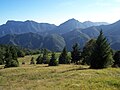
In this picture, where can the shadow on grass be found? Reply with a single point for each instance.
(80, 68)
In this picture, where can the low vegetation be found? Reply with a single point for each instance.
(79, 69)
(42, 77)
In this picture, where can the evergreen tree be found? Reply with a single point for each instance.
(87, 51)
(53, 61)
(101, 56)
(1, 57)
(39, 60)
(116, 57)
(64, 58)
(13, 52)
(45, 57)
(11, 57)
(32, 61)
(20, 53)
(76, 54)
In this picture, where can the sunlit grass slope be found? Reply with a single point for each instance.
(62, 77)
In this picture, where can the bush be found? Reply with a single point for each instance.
(12, 63)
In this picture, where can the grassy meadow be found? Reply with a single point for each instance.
(62, 77)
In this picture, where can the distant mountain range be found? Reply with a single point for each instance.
(19, 27)
(30, 34)
(72, 24)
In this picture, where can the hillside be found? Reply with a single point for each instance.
(73, 77)
(30, 34)
(35, 41)
(19, 27)
(72, 24)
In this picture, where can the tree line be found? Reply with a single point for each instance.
(96, 53)
(10, 53)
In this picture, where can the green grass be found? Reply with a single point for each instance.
(62, 77)
(28, 58)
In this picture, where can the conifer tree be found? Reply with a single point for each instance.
(11, 57)
(64, 58)
(13, 52)
(39, 60)
(53, 61)
(101, 56)
(20, 53)
(87, 51)
(76, 54)
(116, 57)
(45, 57)
(1, 57)
(32, 61)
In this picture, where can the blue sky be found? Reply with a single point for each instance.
(58, 11)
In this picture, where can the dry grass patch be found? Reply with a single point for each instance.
(62, 77)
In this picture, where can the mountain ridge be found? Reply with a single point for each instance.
(43, 35)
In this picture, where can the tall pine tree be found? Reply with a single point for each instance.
(53, 61)
(64, 58)
(101, 56)
(76, 54)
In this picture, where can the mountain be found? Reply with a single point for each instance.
(54, 42)
(72, 24)
(35, 41)
(30, 34)
(75, 36)
(111, 31)
(90, 24)
(92, 32)
(19, 27)
(68, 26)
